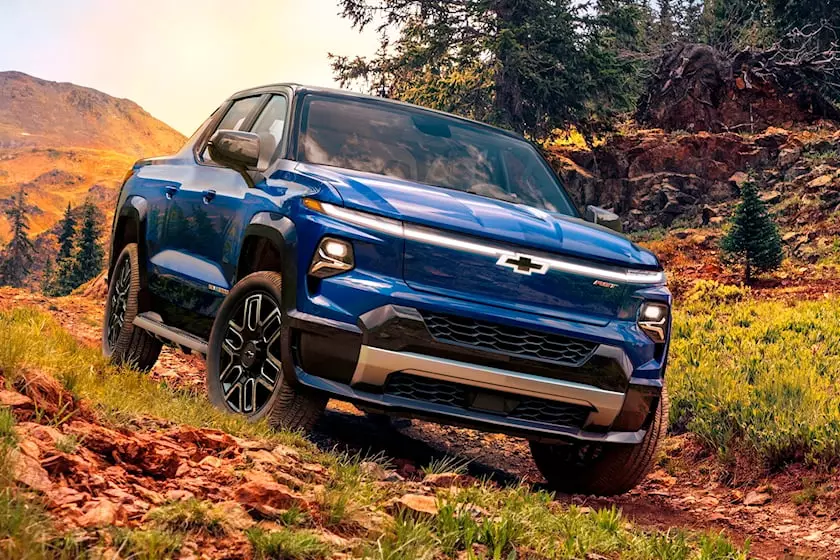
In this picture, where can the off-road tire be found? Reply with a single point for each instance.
(602, 469)
(133, 346)
(287, 407)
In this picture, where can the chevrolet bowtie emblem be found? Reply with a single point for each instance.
(523, 264)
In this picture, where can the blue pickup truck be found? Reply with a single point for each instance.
(315, 244)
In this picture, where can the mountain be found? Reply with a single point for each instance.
(66, 144)
(36, 112)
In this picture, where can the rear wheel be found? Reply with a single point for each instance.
(122, 342)
(244, 361)
(602, 469)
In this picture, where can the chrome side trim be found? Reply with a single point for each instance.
(452, 241)
(376, 364)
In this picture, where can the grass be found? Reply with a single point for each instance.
(190, 515)
(476, 522)
(146, 544)
(484, 522)
(447, 464)
(33, 339)
(287, 544)
(759, 379)
(348, 490)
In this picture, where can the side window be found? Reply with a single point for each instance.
(272, 120)
(234, 118)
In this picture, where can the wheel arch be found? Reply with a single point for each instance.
(270, 243)
(130, 227)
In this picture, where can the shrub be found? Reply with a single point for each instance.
(715, 293)
(759, 379)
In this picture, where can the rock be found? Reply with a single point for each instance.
(235, 515)
(716, 221)
(29, 471)
(178, 495)
(756, 499)
(375, 471)
(14, 399)
(211, 462)
(443, 480)
(789, 156)
(103, 513)
(739, 178)
(771, 197)
(268, 498)
(820, 182)
(416, 503)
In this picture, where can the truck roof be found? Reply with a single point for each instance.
(302, 88)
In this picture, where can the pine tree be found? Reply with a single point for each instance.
(89, 253)
(48, 278)
(68, 233)
(753, 238)
(65, 281)
(16, 260)
(528, 65)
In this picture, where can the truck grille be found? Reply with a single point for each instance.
(508, 340)
(470, 398)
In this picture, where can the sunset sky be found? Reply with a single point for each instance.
(177, 58)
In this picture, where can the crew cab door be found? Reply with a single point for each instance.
(194, 264)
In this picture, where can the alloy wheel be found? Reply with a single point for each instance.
(250, 359)
(119, 302)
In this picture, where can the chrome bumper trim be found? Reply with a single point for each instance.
(376, 364)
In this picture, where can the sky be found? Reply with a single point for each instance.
(178, 59)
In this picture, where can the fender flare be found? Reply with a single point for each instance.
(134, 209)
(280, 231)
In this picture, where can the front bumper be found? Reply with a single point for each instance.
(390, 362)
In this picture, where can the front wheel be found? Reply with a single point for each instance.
(122, 342)
(603, 469)
(245, 353)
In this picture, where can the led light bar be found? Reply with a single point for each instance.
(426, 235)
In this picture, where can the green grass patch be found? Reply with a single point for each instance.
(146, 544)
(759, 378)
(287, 544)
(190, 515)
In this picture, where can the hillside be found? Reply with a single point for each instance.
(40, 113)
(66, 143)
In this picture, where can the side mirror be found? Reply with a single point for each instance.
(604, 218)
(235, 149)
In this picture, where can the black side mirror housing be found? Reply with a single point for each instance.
(604, 218)
(236, 149)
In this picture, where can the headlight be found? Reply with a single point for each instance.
(333, 256)
(653, 319)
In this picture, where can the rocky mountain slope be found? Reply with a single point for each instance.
(67, 143)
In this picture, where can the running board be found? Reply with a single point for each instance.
(151, 322)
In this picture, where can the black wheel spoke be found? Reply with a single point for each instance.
(249, 370)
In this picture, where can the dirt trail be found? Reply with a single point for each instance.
(682, 493)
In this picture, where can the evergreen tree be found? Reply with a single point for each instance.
(16, 260)
(527, 65)
(753, 238)
(667, 28)
(65, 275)
(67, 235)
(89, 254)
(48, 278)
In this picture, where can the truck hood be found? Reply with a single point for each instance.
(478, 216)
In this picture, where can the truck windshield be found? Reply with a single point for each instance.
(425, 147)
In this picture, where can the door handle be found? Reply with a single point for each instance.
(171, 191)
(208, 196)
